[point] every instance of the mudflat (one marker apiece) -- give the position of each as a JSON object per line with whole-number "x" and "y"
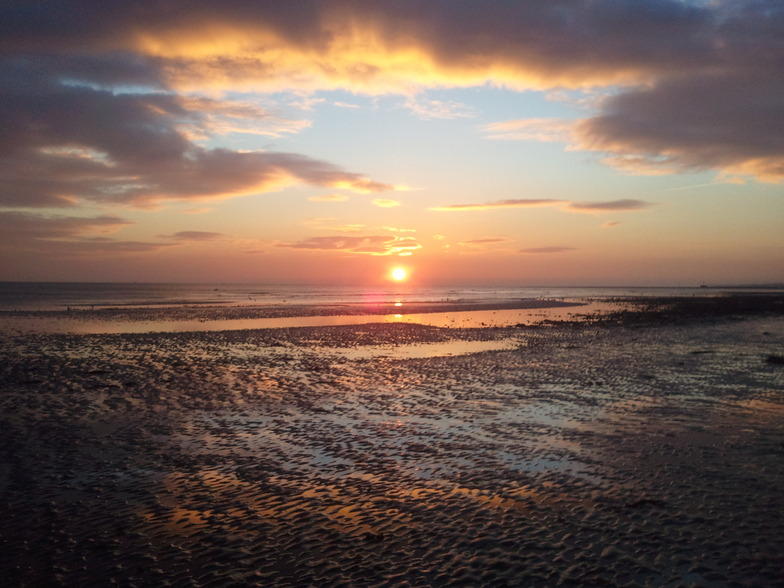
{"x": 642, "y": 447}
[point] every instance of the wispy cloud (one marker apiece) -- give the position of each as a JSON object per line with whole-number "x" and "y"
{"x": 693, "y": 186}
{"x": 624, "y": 205}
{"x": 40, "y": 226}
{"x": 485, "y": 241}
{"x": 57, "y": 236}
{"x": 307, "y": 102}
{"x": 483, "y": 245}
{"x": 431, "y": 109}
{"x": 331, "y": 224}
{"x": 211, "y": 116}
{"x": 385, "y": 203}
{"x": 195, "y": 236}
{"x": 531, "y": 129}
{"x": 519, "y": 203}
{"x": 366, "y": 245}
{"x": 538, "y": 250}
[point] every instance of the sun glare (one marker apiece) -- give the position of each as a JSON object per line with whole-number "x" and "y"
{"x": 399, "y": 274}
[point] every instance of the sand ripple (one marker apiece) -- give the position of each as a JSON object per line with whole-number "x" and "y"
{"x": 583, "y": 456}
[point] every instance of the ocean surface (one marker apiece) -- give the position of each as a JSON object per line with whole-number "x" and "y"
{"x": 31, "y": 296}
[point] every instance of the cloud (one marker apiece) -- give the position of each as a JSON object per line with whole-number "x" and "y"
{"x": 307, "y": 103}
{"x": 625, "y": 205}
{"x": 379, "y": 46}
{"x": 386, "y": 203}
{"x": 57, "y": 236}
{"x": 104, "y": 103}
{"x": 520, "y": 203}
{"x": 195, "y": 236}
{"x": 729, "y": 121}
{"x": 329, "y": 198}
{"x": 430, "y": 109}
{"x": 235, "y": 116}
{"x": 485, "y": 241}
{"x": 370, "y": 245}
{"x": 610, "y": 224}
{"x": 531, "y": 129}
{"x": 37, "y": 226}
{"x": 67, "y": 141}
{"x": 538, "y": 250}
{"x": 328, "y": 224}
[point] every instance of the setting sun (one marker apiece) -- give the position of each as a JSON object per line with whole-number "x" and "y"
{"x": 399, "y": 274}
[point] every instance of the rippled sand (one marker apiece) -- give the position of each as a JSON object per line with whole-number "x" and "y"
{"x": 396, "y": 455}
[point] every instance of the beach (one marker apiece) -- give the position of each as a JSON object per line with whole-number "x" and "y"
{"x": 643, "y": 446}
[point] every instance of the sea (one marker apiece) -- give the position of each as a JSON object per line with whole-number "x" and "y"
{"x": 50, "y": 296}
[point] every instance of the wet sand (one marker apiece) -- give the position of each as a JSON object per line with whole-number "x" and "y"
{"x": 641, "y": 448}
{"x": 142, "y": 319}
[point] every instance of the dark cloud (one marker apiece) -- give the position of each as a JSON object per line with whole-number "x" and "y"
{"x": 195, "y": 236}
{"x": 66, "y": 143}
{"x": 729, "y": 121}
{"x": 76, "y": 129}
{"x": 91, "y": 110}
{"x": 59, "y": 236}
{"x": 559, "y": 41}
{"x": 626, "y": 205}
{"x": 36, "y": 226}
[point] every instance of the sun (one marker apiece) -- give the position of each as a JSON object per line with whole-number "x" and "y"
{"x": 399, "y": 274}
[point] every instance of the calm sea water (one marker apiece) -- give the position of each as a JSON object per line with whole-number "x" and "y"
{"x": 59, "y": 296}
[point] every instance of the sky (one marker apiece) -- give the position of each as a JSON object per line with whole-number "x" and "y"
{"x": 528, "y": 143}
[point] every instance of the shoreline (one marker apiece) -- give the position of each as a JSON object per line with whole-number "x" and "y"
{"x": 451, "y": 314}
{"x": 189, "y": 311}
{"x": 184, "y": 319}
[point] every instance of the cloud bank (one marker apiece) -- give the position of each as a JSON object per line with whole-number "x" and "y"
{"x": 110, "y": 101}
{"x": 57, "y": 236}
{"x": 74, "y": 132}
